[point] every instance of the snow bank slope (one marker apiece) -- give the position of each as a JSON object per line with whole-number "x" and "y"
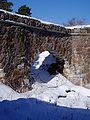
{"x": 53, "y": 89}
{"x": 61, "y": 92}
{"x": 49, "y": 100}
{"x": 56, "y": 89}
{"x": 7, "y": 93}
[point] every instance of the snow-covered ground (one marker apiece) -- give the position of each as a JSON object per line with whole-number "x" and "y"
{"x": 56, "y": 89}
{"x": 52, "y": 97}
{"x": 7, "y": 93}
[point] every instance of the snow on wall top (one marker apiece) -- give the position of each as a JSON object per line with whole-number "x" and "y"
{"x": 46, "y": 25}
{"x": 13, "y": 18}
{"x": 45, "y": 22}
{"x": 78, "y": 26}
{"x": 24, "y": 16}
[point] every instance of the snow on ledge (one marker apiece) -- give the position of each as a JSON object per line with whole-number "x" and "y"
{"x": 24, "y": 16}
{"x": 78, "y": 26}
{"x": 45, "y": 22}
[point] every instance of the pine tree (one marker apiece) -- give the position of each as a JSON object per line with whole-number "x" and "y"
{"x": 24, "y": 10}
{"x": 5, "y": 5}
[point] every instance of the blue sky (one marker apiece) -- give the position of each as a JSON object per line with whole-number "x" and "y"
{"x": 57, "y": 11}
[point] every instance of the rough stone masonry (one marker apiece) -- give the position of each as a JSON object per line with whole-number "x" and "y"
{"x": 23, "y": 38}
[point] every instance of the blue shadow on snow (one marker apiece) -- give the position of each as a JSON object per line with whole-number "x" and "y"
{"x": 33, "y": 109}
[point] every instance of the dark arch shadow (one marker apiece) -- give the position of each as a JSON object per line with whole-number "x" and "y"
{"x": 33, "y": 109}
{"x": 51, "y": 66}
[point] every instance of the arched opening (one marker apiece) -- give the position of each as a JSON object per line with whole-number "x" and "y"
{"x": 46, "y": 65}
{"x": 56, "y": 67}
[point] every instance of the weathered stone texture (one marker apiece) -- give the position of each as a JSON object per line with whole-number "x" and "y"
{"x": 19, "y": 45}
{"x": 81, "y": 58}
{"x": 31, "y": 22}
{"x": 79, "y": 69}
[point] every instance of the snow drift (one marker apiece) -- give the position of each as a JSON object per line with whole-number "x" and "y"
{"x": 53, "y": 97}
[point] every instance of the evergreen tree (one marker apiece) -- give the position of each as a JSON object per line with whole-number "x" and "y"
{"x": 24, "y": 10}
{"x": 5, "y": 5}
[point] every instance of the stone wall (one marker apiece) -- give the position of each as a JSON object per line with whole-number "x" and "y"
{"x": 29, "y": 21}
{"x": 81, "y": 57}
{"x": 19, "y": 45}
{"x": 23, "y": 38}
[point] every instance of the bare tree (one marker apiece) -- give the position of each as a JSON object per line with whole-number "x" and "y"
{"x": 74, "y": 21}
